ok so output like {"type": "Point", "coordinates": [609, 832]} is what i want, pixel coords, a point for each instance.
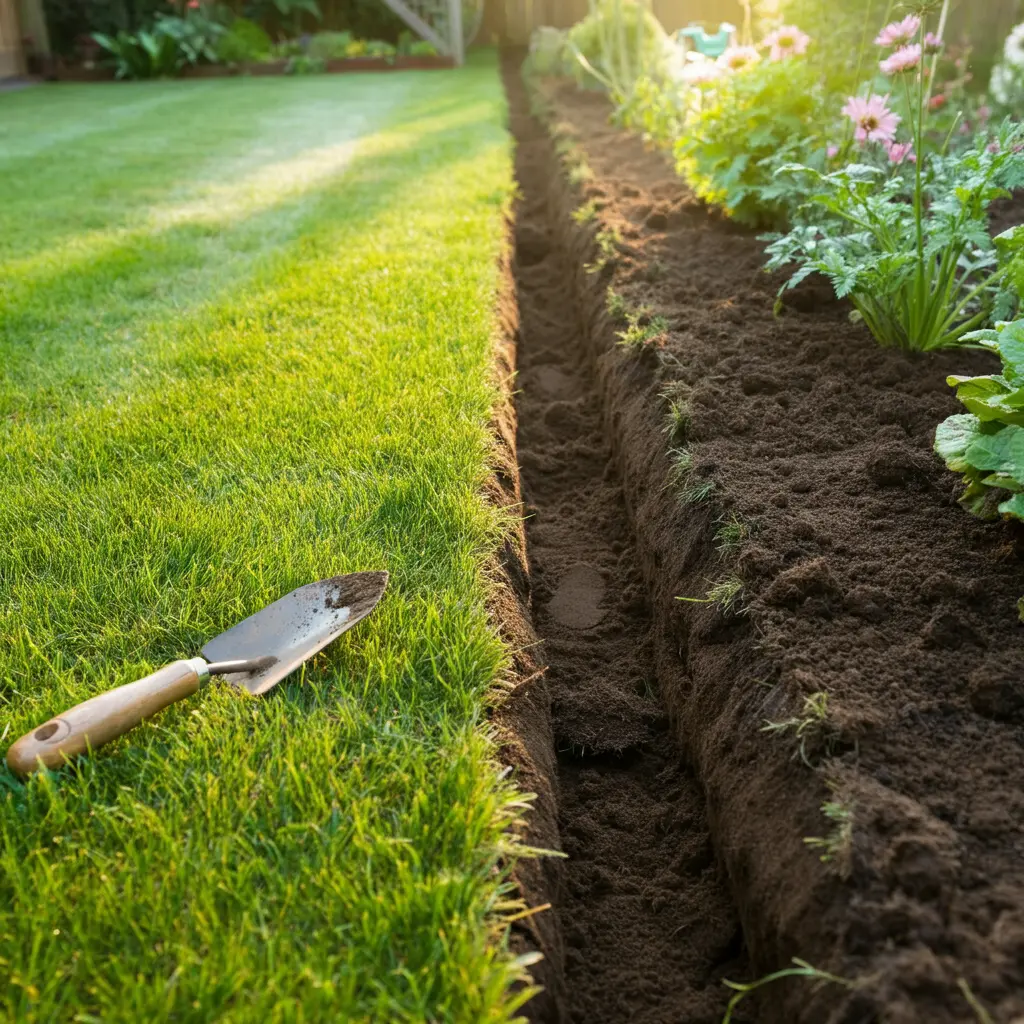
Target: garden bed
{"type": "Point", "coordinates": [77, 73]}
{"type": "Point", "coordinates": [862, 579]}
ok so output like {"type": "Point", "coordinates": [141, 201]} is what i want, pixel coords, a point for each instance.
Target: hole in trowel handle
{"type": "Point", "coordinates": [45, 732]}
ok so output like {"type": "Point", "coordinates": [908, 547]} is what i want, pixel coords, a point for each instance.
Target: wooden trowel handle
{"type": "Point", "coordinates": [101, 719]}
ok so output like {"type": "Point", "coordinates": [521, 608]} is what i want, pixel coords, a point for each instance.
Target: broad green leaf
{"type": "Point", "coordinates": [1002, 451]}
{"type": "Point", "coordinates": [953, 437]}
{"type": "Point", "coordinates": [1010, 242]}
{"type": "Point", "coordinates": [1014, 507]}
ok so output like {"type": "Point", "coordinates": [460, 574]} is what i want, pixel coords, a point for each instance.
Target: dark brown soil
{"type": "Point", "coordinates": [648, 926]}
{"type": "Point", "coordinates": [862, 579]}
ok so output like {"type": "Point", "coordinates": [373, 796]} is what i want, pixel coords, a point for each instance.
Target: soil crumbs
{"type": "Point", "coordinates": [648, 926]}
{"type": "Point", "coordinates": [862, 579]}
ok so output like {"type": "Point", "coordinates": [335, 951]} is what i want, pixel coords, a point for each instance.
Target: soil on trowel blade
{"type": "Point", "coordinates": [648, 928]}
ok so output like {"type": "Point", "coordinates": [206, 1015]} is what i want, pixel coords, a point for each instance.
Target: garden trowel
{"type": "Point", "coordinates": [255, 654]}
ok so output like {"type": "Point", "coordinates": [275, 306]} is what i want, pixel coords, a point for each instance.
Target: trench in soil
{"type": "Point", "coordinates": [649, 929]}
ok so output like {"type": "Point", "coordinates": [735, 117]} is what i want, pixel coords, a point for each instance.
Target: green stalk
{"type": "Point", "coordinates": [935, 59]}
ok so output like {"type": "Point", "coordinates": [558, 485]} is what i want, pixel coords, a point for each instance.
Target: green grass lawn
{"type": "Point", "coordinates": [244, 345]}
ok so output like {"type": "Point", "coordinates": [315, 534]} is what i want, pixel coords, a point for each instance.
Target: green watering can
{"type": "Point", "coordinates": [710, 46]}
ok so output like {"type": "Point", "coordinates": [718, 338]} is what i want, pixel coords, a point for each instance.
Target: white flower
{"type": "Point", "coordinates": [1013, 48]}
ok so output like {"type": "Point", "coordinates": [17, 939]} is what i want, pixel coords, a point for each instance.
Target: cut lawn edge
{"type": "Point", "coordinates": [522, 701]}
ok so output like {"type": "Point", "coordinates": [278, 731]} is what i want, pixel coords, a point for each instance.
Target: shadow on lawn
{"type": "Point", "coordinates": [164, 263]}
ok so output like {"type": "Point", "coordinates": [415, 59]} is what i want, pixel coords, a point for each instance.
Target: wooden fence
{"type": "Point", "coordinates": [12, 55]}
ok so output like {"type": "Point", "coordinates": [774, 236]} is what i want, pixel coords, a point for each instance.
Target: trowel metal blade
{"type": "Point", "coordinates": [295, 627]}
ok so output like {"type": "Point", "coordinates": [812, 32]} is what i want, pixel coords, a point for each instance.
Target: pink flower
{"type": "Point", "coordinates": [739, 58]}
{"type": "Point", "coordinates": [984, 114]}
{"type": "Point", "coordinates": [874, 120]}
{"type": "Point", "coordinates": [702, 73]}
{"type": "Point", "coordinates": [899, 33]}
{"type": "Point", "coordinates": [193, 5]}
{"type": "Point", "coordinates": [832, 152]}
{"type": "Point", "coordinates": [906, 58]}
{"type": "Point", "coordinates": [787, 41]}
{"type": "Point", "coordinates": [900, 151]}
{"type": "Point", "coordinates": [994, 147]}
{"type": "Point", "coordinates": [938, 101]}
{"type": "Point", "coordinates": [933, 44]}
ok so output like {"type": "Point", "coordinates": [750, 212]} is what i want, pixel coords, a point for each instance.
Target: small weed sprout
{"type": "Point", "coordinates": [727, 593]}
{"type": "Point", "coordinates": [984, 1017]}
{"type": "Point", "coordinates": [585, 213]}
{"type": "Point", "coordinates": [679, 419]}
{"type": "Point", "coordinates": [808, 726]}
{"type": "Point", "coordinates": [682, 463]}
{"type": "Point", "coordinates": [616, 304]}
{"type": "Point", "coordinates": [697, 493]}
{"type": "Point", "coordinates": [835, 847]}
{"type": "Point", "coordinates": [730, 535]}
{"type": "Point", "coordinates": [642, 329]}
{"type": "Point", "coordinates": [802, 970]}
{"type": "Point", "coordinates": [580, 173]}
{"type": "Point", "coordinates": [607, 250]}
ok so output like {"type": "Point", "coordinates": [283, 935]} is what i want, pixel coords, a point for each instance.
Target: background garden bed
{"type": "Point", "coordinates": [65, 73]}
{"type": "Point", "coordinates": [862, 579]}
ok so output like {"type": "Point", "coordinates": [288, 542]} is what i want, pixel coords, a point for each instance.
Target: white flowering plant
{"type": "Point", "coordinates": [1007, 83]}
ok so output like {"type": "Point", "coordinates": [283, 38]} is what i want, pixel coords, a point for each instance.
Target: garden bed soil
{"type": "Point", "coordinates": [862, 579]}
{"type": "Point", "coordinates": [77, 73]}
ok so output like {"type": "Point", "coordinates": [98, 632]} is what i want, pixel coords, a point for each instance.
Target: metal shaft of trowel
{"type": "Point", "coordinates": [227, 668]}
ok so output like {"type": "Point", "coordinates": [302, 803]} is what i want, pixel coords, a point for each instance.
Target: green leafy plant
{"type": "Point", "coordinates": [753, 121]}
{"type": "Point", "coordinates": [917, 262]}
{"type": "Point", "coordinates": [422, 48]}
{"type": "Point", "coordinates": [986, 444]}
{"type": "Point", "coordinates": [287, 12]}
{"type": "Point", "coordinates": [656, 113]}
{"type": "Point", "coordinates": [909, 246]}
{"type": "Point", "coordinates": [145, 55]}
{"type": "Point", "coordinates": [304, 64]}
{"type": "Point", "coordinates": [329, 45]}
{"type": "Point", "coordinates": [244, 42]}
{"type": "Point", "coordinates": [196, 34]}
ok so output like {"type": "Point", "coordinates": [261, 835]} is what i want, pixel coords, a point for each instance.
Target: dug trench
{"type": "Point", "coordinates": [647, 927]}
{"type": "Point", "coordinates": [706, 837]}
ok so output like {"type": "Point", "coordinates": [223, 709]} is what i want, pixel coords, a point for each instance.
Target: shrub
{"type": "Point", "coordinates": [745, 127]}
{"type": "Point", "coordinates": [145, 55]}
{"type": "Point", "coordinates": [329, 45]}
{"type": "Point", "coordinates": [244, 42]}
